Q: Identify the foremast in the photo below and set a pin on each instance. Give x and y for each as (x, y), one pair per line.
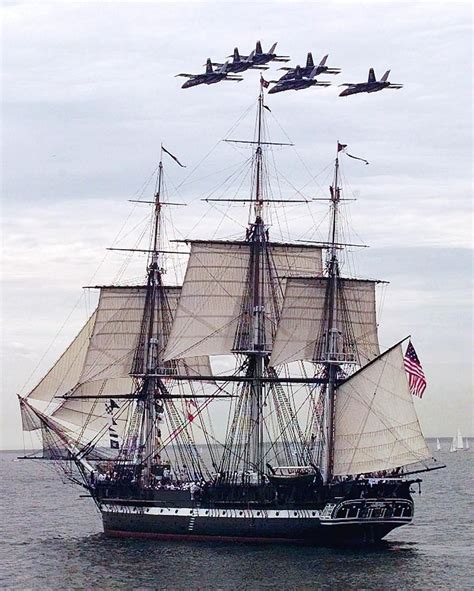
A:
(148, 358)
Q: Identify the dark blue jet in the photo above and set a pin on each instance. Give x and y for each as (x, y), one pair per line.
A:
(210, 76)
(298, 82)
(260, 58)
(372, 84)
(306, 71)
(238, 64)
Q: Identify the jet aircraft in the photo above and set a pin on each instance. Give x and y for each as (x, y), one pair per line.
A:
(210, 76)
(298, 82)
(372, 84)
(238, 64)
(306, 71)
(261, 58)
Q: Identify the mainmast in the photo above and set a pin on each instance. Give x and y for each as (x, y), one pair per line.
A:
(332, 361)
(257, 353)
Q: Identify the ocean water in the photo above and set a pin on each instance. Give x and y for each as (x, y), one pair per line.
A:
(51, 539)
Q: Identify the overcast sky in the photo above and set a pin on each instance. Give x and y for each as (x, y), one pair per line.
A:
(89, 93)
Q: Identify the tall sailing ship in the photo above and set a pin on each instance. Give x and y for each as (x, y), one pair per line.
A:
(252, 402)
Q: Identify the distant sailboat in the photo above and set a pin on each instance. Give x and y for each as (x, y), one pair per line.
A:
(459, 440)
(466, 444)
(438, 445)
(453, 445)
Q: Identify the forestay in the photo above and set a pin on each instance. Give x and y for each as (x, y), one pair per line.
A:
(302, 330)
(211, 303)
(375, 423)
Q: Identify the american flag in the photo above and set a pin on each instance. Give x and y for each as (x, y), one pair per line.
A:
(416, 377)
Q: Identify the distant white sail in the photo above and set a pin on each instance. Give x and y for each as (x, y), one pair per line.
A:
(453, 445)
(438, 444)
(376, 427)
(459, 440)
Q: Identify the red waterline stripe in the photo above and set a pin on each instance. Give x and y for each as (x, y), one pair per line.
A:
(118, 533)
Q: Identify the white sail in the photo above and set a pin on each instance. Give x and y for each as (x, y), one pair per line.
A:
(301, 330)
(438, 444)
(466, 443)
(453, 445)
(93, 415)
(66, 371)
(211, 303)
(109, 359)
(459, 440)
(375, 425)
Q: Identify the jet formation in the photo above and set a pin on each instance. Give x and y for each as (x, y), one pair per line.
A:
(210, 76)
(294, 78)
(256, 60)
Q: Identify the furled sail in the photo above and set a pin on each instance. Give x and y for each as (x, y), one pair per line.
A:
(302, 329)
(109, 359)
(375, 423)
(211, 304)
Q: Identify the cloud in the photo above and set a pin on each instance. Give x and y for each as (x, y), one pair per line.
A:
(88, 99)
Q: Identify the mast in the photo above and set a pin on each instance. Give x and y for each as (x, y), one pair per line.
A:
(331, 346)
(257, 353)
(153, 346)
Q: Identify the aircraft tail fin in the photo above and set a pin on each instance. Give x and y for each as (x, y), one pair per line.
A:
(309, 60)
(272, 48)
(250, 57)
(223, 68)
(258, 47)
(324, 60)
(236, 54)
(313, 72)
(385, 76)
(371, 75)
(208, 66)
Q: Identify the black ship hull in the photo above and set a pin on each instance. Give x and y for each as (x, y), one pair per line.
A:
(355, 521)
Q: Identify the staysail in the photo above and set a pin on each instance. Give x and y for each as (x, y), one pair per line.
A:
(65, 373)
(375, 423)
(302, 328)
(211, 307)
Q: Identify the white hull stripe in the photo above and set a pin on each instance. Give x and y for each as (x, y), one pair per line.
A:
(220, 513)
(195, 512)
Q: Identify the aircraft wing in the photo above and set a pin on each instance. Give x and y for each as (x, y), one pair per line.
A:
(318, 83)
(333, 71)
(186, 75)
(348, 84)
(396, 86)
